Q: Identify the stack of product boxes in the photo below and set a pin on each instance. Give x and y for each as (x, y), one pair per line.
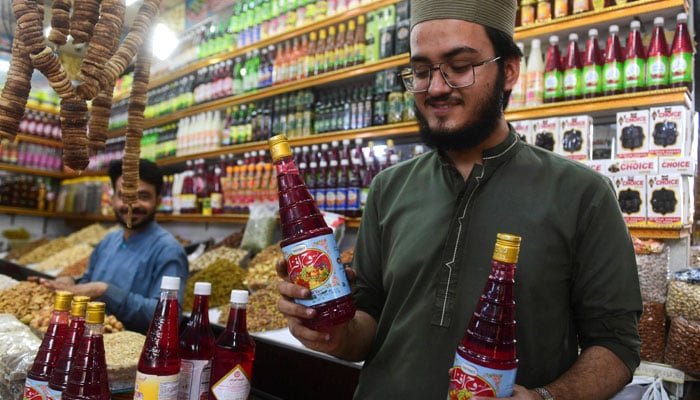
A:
(651, 166)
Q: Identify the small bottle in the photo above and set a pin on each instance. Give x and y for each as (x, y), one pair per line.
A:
(87, 379)
(486, 361)
(37, 383)
(517, 95)
(544, 11)
(306, 237)
(197, 347)
(232, 371)
(159, 365)
(572, 70)
(657, 57)
(76, 328)
(535, 75)
(553, 72)
(681, 58)
(592, 67)
(635, 60)
(613, 72)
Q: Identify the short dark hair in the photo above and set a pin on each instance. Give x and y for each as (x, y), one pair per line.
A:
(148, 172)
(505, 47)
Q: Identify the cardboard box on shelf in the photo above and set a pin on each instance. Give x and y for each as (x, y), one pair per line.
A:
(669, 131)
(632, 134)
(575, 136)
(631, 195)
(667, 201)
(545, 133)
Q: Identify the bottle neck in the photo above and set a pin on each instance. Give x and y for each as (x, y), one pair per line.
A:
(286, 166)
(200, 309)
(93, 330)
(237, 318)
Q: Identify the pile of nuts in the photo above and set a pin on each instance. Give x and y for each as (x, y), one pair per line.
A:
(683, 346)
(652, 331)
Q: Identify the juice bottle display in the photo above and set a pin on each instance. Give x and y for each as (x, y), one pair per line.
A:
(359, 43)
(579, 6)
(528, 12)
(232, 371)
(76, 328)
(331, 178)
(601, 4)
(573, 67)
(517, 95)
(613, 73)
(553, 72)
(544, 11)
(534, 94)
(329, 54)
(37, 383)
(681, 58)
(197, 347)
(159, 365)
(592, 67)
(349, 44)
(486, 361)
(87, 379)
(561, 8)
(308, 244)
(657, 57)
(635, 61)
(341, 192)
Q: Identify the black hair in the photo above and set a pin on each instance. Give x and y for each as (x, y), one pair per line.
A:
(148, 172)
(505, 47)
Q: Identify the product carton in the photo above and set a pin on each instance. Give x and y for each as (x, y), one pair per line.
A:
(677, 165)
(545, 133)
(667, 204)
(632, 134)
(631, 195)
(575, 136)
(633, 166)
(524, 129)
(668, 130)
(599, 166)
(603, 142)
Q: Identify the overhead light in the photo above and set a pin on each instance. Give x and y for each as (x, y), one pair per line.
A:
(130, 2)
(47, 31)
(4, 65)
(164, 41)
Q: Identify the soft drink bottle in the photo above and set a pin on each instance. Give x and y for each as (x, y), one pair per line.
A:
(37, 383)
(232, 371)
(613, 72)
(657, 57)
(553, 72)
(159, 365)
(517, 95)
(681, 54)
(592, 67)
(534, 94)
(76, 328)
(308, 244)
(486, 361)
(635, 60)
(87, 379)
(197, 348)
(572, 70)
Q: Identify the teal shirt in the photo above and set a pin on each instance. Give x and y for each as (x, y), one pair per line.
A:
(423, 256)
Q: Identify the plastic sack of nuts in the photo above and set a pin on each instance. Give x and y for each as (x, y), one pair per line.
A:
(260, 227)
(652, 266)
(683, 346)
(652, 331)
(18, 347)
(684, 294)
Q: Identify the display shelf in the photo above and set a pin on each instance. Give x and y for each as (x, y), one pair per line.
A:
(49, 109)
(31, 171)
(660, 233)
(53, 214)
(39, 140)
(198, 218)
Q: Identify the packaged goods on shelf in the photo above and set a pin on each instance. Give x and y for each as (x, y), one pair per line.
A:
(18, 347)
(575, 136)
(668, 201)
(653, 268)
(632, 134)
(546, 133)
(669, 130)
(684, 295)
(631, 194)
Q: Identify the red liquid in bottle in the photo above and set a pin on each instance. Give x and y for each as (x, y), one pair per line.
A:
(232, 372)
(681, 55)
(592, 67)
(613, 72)
(197, 347)
(486, 361)
(76, 328)
(37, 382)
(553, 72)
(87, 379)
(635, 61)
(657, 57)
(573, 67)
(311, 253)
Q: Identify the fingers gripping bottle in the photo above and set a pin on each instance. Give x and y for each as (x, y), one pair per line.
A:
(486, 361)
(308, 244)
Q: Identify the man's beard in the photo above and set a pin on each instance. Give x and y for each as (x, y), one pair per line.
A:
(147, 219)
(471, 134)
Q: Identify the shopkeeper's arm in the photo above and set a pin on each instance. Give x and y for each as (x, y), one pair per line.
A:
(90, 289)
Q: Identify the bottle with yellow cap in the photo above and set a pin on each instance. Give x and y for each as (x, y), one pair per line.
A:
(87, 379)
(486, 361)
(37, 382)
(308, 244)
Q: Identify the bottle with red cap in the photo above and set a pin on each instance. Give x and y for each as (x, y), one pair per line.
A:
(553, 72)
(613, 72)
(681, 54)
(635, 60)
(592, 67)
(572, 70)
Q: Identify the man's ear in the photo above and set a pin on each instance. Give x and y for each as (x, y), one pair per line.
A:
(512, 72)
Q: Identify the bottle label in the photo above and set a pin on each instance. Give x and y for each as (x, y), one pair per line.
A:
(572, 82)
(364, 193)
(188, 201)
(235, 385)
(353, 198)
(657, 70)
(341, 198)
(535, 88)
(552, 84)
(592, 82)
(155, 387)
(634, 73)
(613, 76)
(315, 264)
(468, 380)
(194, 379)
(680, 67)
(53, 394)
(35, 390)
(320, 197)
(330, 199)
(217, 201)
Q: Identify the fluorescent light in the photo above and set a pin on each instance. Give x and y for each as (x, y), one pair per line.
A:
(164, 41)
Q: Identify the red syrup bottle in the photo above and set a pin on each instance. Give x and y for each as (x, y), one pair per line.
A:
(197, 347)
(76, 328)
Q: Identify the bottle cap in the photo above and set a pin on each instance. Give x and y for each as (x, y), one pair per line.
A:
(535, 43)
(95, 312)
(202, 288)
(573, 37)
(554, 39)
(62, 301)
(681, 17)
(635, 24)
(614, 29)
(239, 296)
(279, 147)
(659, 21)
(170, 283)
(78, 306)
(593, 32)
(507, 248)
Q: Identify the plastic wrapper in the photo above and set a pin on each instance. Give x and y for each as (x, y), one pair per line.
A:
(684, 295)
(261, 226)
(652, 331)
(683, 346)
(653, 267)
(18, 347)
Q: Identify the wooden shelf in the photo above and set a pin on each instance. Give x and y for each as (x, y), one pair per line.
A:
(49, 109)
(57, 215)
(31, 171)
(660, 233)
(39, 140)
(198, 218)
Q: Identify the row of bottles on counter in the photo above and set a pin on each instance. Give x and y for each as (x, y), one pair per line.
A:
(611, 70)
(41, 124)
(28, 191)
(540, 11)
(31, 155)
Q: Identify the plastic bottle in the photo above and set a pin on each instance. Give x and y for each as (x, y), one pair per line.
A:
(232, 371)
(657, 58)
(308, 244)
(159, 365)
(635, 60)
(197, 348)
(573, 81)
(681, 58)
(37, 382)
(517, 95)
(613, 72)
(87, 379)
(76, 328)
(592, 73)
(486, 361)
(535, 75)
(553, 72)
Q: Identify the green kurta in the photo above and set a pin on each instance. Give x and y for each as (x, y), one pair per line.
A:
(423, 256)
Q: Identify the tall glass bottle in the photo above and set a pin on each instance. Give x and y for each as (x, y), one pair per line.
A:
(197, 348)
(613, 72)
(87, 379)
(592, 67)
(681, 54)
(159, 365)
(635, 60)
(76, 328)
(308, 244)
(232, 371)
(486, 358)
(572, 70)
(37, 383)
(517, 95)
(534, 94)
(657, 57)
(553, 72)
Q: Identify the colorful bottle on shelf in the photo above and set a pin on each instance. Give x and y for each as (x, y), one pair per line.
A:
(635, 61)
(534, 94)
(76, 328)
(308, 244)
(592, 73)
(613, 72)
(159, 365)
(87, 379)
(681, 58)
(486, 361)
(553, 72)
(232, 371)
(573, 67)
(37, 383)
(657, 58)
(517, 95)
(197, 348)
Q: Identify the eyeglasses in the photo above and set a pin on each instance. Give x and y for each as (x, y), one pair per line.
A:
(457, 74)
